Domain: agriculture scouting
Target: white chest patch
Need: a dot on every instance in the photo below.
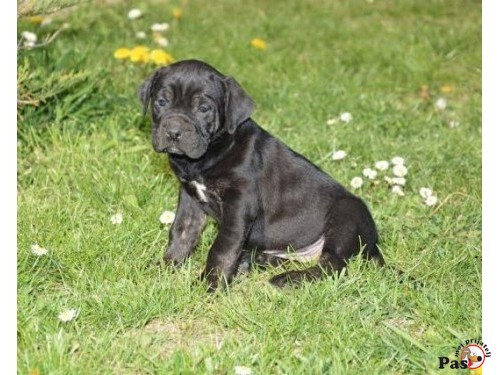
(200, 190)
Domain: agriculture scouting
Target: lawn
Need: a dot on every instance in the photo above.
(408, 72)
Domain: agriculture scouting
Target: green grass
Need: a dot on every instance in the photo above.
(85, 153)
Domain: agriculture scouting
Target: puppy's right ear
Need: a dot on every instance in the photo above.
(144, 93)
(146, 89)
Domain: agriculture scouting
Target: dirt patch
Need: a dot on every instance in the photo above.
(407, 325)
(167, 336)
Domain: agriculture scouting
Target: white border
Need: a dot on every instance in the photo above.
(491, 188)
(8, 147)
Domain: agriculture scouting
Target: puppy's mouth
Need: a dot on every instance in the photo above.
(171, 150)
(191, 151)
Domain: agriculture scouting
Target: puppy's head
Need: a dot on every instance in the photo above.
(191, 103)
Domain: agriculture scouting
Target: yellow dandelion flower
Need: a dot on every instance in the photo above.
(160, 57)
(35, 19)
(139, 54)
(122, 53)
(258, 43)
(177, 13)
(446, 89)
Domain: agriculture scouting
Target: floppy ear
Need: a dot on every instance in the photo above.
(238, 107)
(144, 93)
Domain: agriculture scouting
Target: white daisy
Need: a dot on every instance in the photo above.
(134, 14)
(345, 117)
(399, 170)
(453, 124)
(116, 218)
(67, 315)
(159, 27)
(38, 251)
(398, 190)
(441, 103)
(331, 121)
(371, 174)
(356, 182)
(401, 181)
(140, 35)
(381, 165)
(242, 370)
(167, 217)
(339, 155)
(163, 42)
(431, 200)
(425, 192)
(397, 160)
(29, 37)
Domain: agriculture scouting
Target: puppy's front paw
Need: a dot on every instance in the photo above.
(170, 259)
(214, 280)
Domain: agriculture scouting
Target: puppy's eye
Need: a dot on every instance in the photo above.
(203, 108)
(161, 102)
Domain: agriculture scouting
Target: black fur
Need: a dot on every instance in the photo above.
(262, 194)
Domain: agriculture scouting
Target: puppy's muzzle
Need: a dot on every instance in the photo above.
(175, 127)
(176, 134)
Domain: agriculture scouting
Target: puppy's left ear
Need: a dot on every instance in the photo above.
(144, 93)
(239, 105)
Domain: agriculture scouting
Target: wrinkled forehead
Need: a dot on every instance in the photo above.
(188, 83)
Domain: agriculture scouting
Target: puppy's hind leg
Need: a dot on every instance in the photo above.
(329, 264)
(258, 260)
(349, 228)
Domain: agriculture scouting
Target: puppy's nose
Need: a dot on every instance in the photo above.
(174, 134)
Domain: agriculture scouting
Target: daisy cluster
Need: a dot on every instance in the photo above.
(381, 168)
(393, 173)
(143, 54)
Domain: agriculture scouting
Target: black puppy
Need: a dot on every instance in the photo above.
(266, 198)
